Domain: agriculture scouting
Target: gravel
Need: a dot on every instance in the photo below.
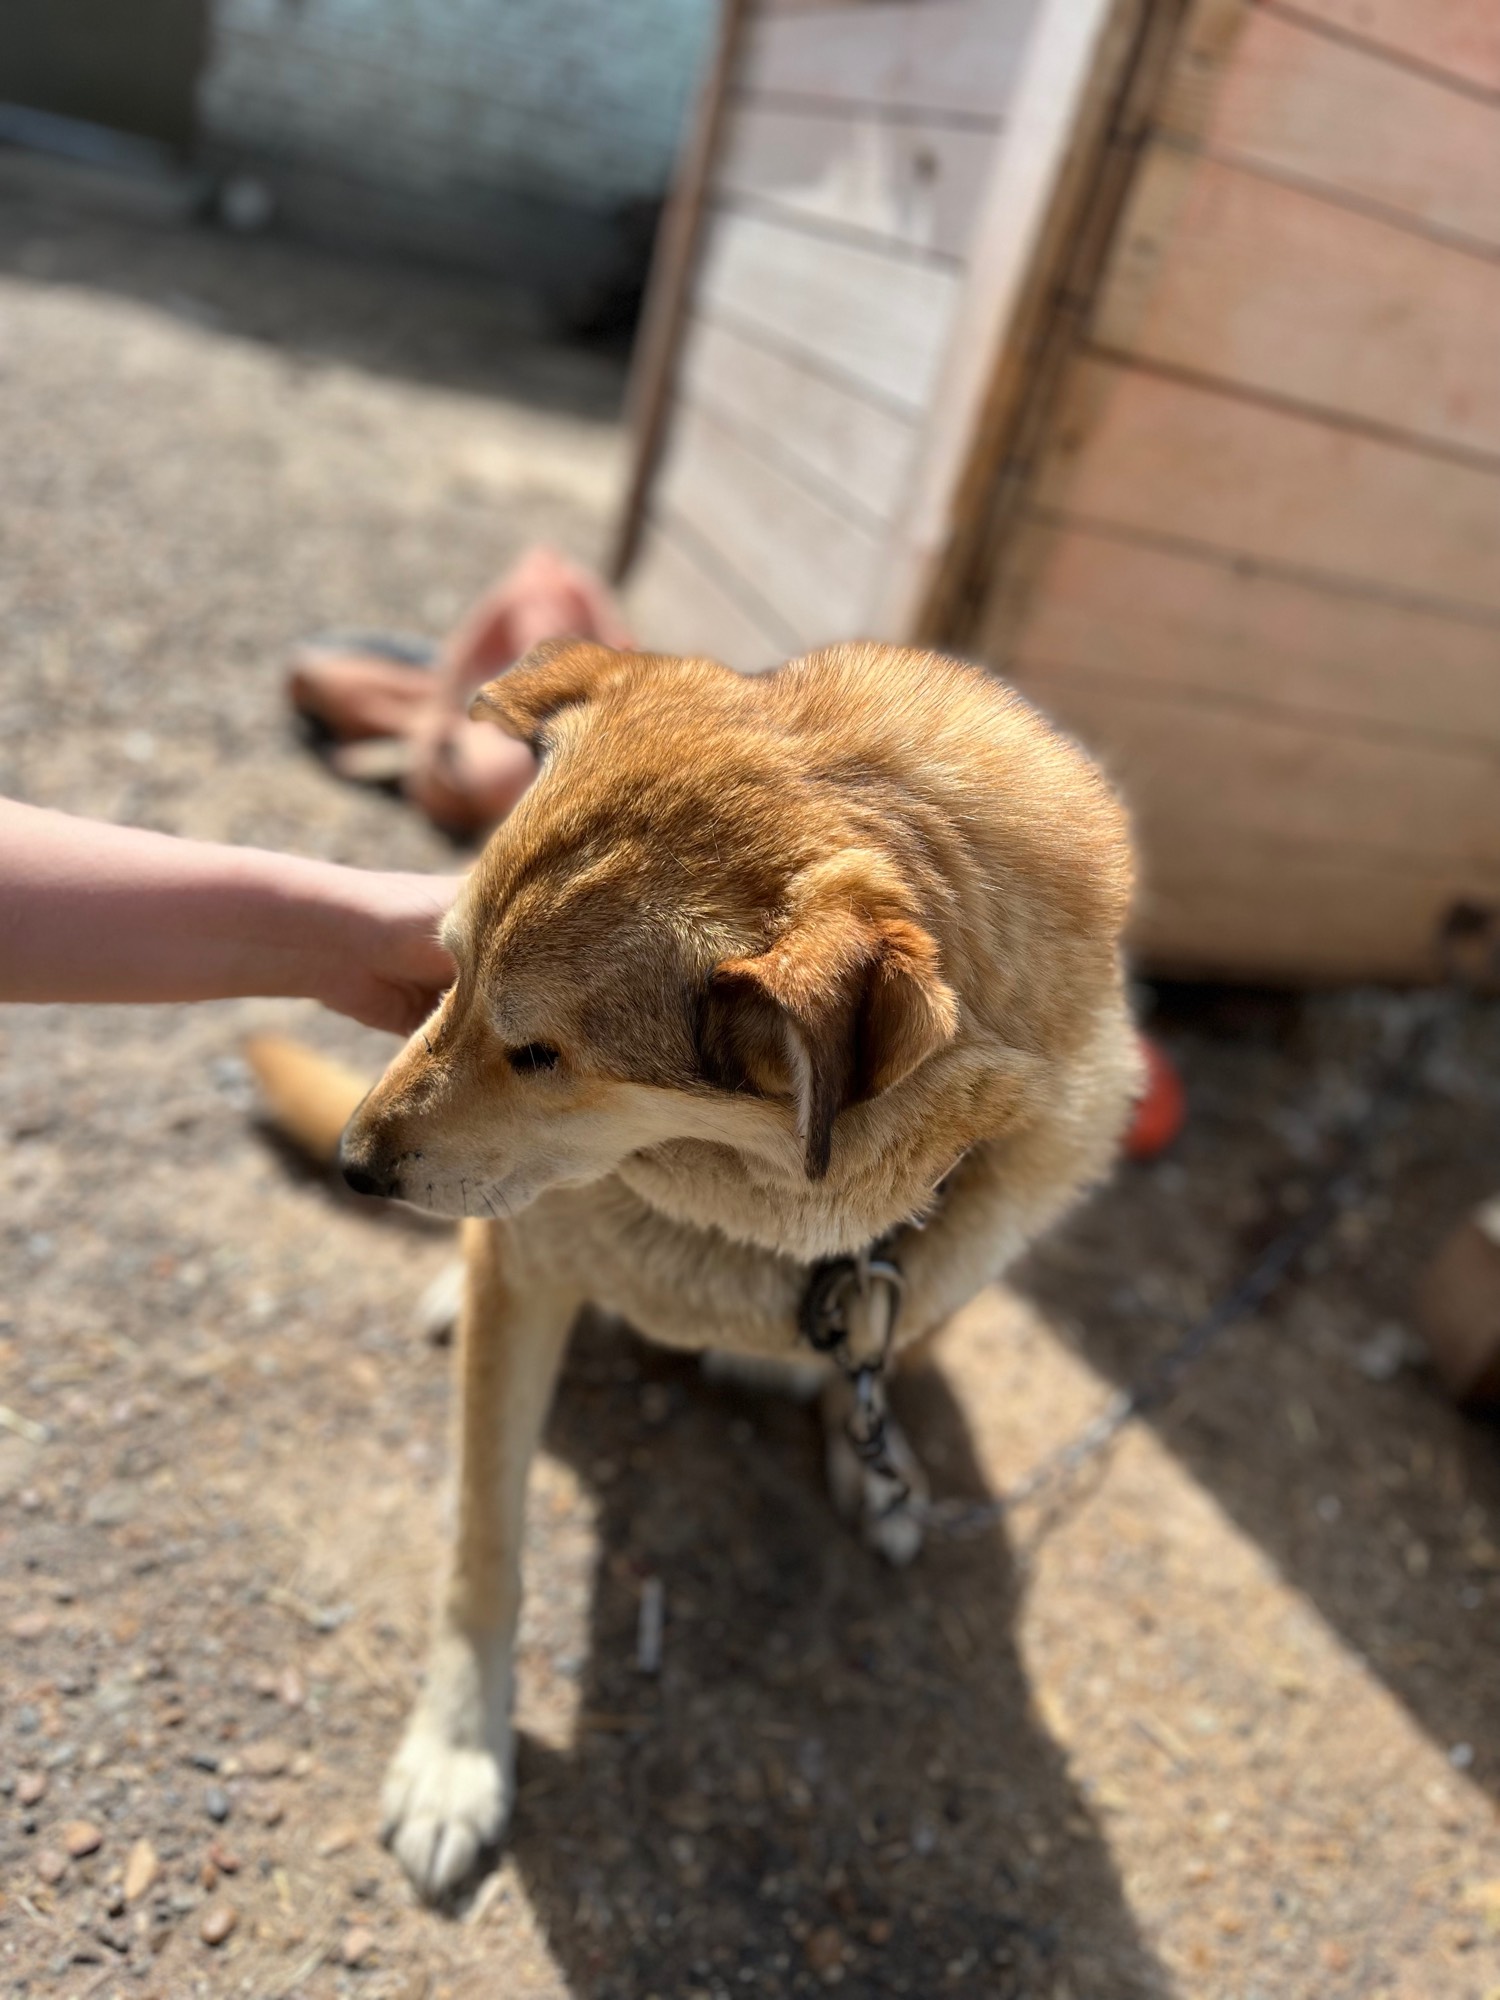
(1190, 1731)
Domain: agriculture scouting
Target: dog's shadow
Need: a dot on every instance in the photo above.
(836, 1776)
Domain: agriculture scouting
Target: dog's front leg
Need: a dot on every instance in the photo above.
(449, 1788)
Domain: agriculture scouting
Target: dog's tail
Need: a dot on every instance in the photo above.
(309, 1097)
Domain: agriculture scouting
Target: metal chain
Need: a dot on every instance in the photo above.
(1397, 1080)
(832, 1287)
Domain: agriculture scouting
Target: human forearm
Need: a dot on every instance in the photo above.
(104, 913)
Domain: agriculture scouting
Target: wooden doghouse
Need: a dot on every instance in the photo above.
(1150, 352)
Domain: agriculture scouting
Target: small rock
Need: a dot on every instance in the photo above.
(1389, 1349)
(224, 1858)
(31, 1787)
(824, 1951)
(292, 1689)
(268, 1810)
(80, 1837)
(219, 1919)
(141, 1870)
(357, 1946)
(112, 1505)
(51, 1865)
(216, 1803)
(338, 1839)
(31, 1625)
(656, 1403)
(690, 1812)
(1458, 1308)
(208, 1876)
(267, 1759)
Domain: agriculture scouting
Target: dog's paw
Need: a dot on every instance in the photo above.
(886, 1518)
(443, 1803)
(440, 1305)
(896, 1532)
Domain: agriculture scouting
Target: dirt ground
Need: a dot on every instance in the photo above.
(1221, 1720)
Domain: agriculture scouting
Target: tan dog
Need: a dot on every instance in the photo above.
(752, 969)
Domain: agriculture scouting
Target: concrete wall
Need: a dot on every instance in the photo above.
(476, 128)
(131, 67)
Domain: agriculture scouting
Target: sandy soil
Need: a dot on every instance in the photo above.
(1221, 1720)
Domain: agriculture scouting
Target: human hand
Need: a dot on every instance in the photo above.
(384, 964)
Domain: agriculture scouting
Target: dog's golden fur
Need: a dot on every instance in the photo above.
(752, 968)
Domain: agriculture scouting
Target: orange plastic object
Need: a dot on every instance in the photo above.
(1161, 1111)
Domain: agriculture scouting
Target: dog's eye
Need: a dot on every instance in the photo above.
(533, 1057)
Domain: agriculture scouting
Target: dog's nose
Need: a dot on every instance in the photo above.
(365, 1167)
(363, 1181)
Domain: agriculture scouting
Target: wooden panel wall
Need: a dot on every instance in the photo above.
(1257, 560)
(856, 146)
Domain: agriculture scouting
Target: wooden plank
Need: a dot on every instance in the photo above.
(837, 436)
(1265, 910)
(1253, 281)
(1461, 37)
(1293, 101)
(1199, 626)
(1242, 874)
(1173, 461)
(1213, 769)
(810, 565)
(880, 322)
(908, 181)
(673, 263)
(1045, 168)
(677, 605)
(954, 56)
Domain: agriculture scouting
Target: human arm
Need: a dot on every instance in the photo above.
(95, 912)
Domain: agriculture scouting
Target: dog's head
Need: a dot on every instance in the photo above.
(675, 935)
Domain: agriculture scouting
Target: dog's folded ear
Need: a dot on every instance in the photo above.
(557, 674)
(841, 1007)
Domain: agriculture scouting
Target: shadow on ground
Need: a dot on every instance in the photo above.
(837, 1775)
(1369, 1492)
(440, 328)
